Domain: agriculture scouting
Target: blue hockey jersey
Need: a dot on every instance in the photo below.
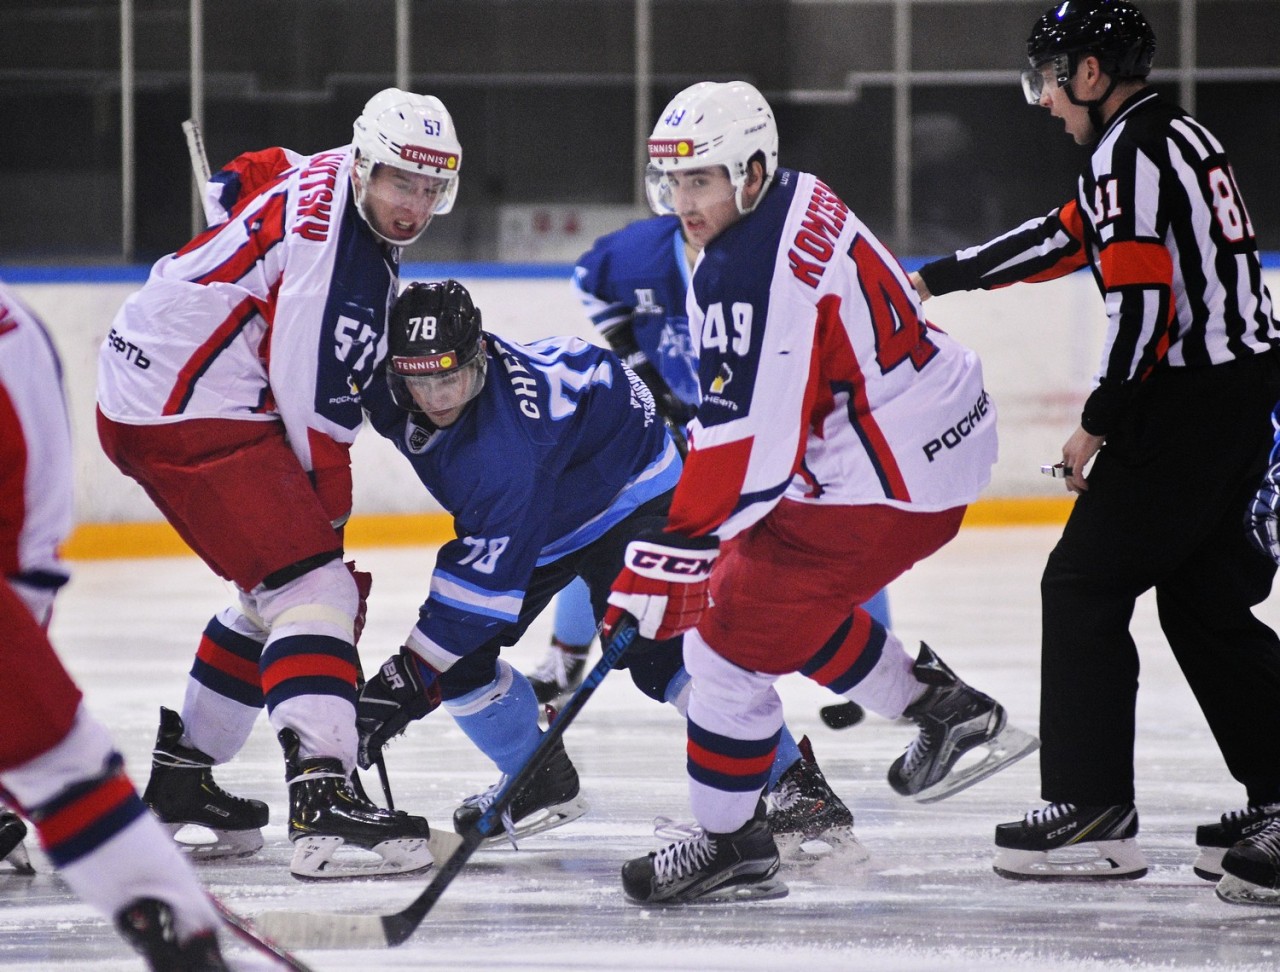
(640, 273)
(561, 445)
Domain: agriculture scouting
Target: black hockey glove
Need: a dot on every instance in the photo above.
(1260, 519)
(405, 689)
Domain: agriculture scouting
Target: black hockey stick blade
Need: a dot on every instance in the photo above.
(308, 929)
(842, 715)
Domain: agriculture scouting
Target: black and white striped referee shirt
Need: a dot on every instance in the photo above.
(1162, 224)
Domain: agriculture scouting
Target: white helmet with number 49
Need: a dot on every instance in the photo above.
(711, 123)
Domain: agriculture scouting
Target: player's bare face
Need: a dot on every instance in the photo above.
(704, 201)
(400, 204)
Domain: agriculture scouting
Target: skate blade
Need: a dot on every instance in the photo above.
(20, 860)
(837, 844)
(200, 843)
(1003, 749)
(1234, 890)
(1103, 860)
(321, 858)
(1208, 863)
(768, 890)
(556, 815)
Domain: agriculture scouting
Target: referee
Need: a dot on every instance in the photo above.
(1178, 431)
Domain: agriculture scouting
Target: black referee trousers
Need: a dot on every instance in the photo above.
(1165, 509)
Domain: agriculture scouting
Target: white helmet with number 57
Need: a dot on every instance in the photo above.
(711, 123)
(411, 132)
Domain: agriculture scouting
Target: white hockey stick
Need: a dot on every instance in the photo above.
(195, 148)
(309, 929)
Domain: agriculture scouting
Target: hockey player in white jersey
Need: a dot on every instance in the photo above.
(551, 457)
(838, 441)
(229, 388)
(57, 762)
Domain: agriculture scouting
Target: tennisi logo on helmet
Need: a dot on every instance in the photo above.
(670, 148)
(428, 156)
(425, 365)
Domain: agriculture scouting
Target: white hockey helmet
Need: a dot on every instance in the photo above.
(712, 123)
(407, 131)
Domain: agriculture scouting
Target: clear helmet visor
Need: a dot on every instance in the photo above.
(1045, 77)
(398, 204)
(442, 391)
(694, 190)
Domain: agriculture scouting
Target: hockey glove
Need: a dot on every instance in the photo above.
(665, 585)
(1260, 518)
(405, 689)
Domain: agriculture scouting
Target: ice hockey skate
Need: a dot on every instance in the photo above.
(189, 803)
(954, 719)
(1234, 826)
(809, 822)
(709, 868)
(147, 925)
(1251, 869)
(338, 834)
(551, 799)
(12, 851)
(559, 673)
(1063, 842)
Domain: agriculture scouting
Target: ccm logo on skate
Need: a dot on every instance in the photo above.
(953, 436)
(651, 561)
(1062, 830)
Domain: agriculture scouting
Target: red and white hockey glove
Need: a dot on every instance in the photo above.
(665, 585)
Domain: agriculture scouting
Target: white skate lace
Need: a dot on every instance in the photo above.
(1050, 813)
(783, 797)
(551, 670)
(1249, 812)
(683, 858)
(1267, 840)
(916, 753)
(665, 828)
(483, 801)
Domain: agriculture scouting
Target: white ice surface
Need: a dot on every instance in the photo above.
(926, 900)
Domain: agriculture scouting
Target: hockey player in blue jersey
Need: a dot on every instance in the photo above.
(632, 284)
(551, 457)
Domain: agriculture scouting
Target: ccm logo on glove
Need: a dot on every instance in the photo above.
(659, 564)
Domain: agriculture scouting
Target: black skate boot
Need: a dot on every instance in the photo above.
(1251, 869)
(182, 792)
(325, 814)
(808, 820)
(560, 672)
(12, 832)
(953, 719)
(709, 867)
(1063, 842)
(147, 925)
(1234, 826)
(551, 799)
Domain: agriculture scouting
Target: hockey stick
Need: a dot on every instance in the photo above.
(245, 931)
(304, 929)
(195, 148)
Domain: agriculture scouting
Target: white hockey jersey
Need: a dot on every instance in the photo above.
(277, 314)
(36, 501)
(821, 380)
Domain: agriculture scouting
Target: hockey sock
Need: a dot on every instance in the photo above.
(787, 755)
(98, 833)
(501, 718)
